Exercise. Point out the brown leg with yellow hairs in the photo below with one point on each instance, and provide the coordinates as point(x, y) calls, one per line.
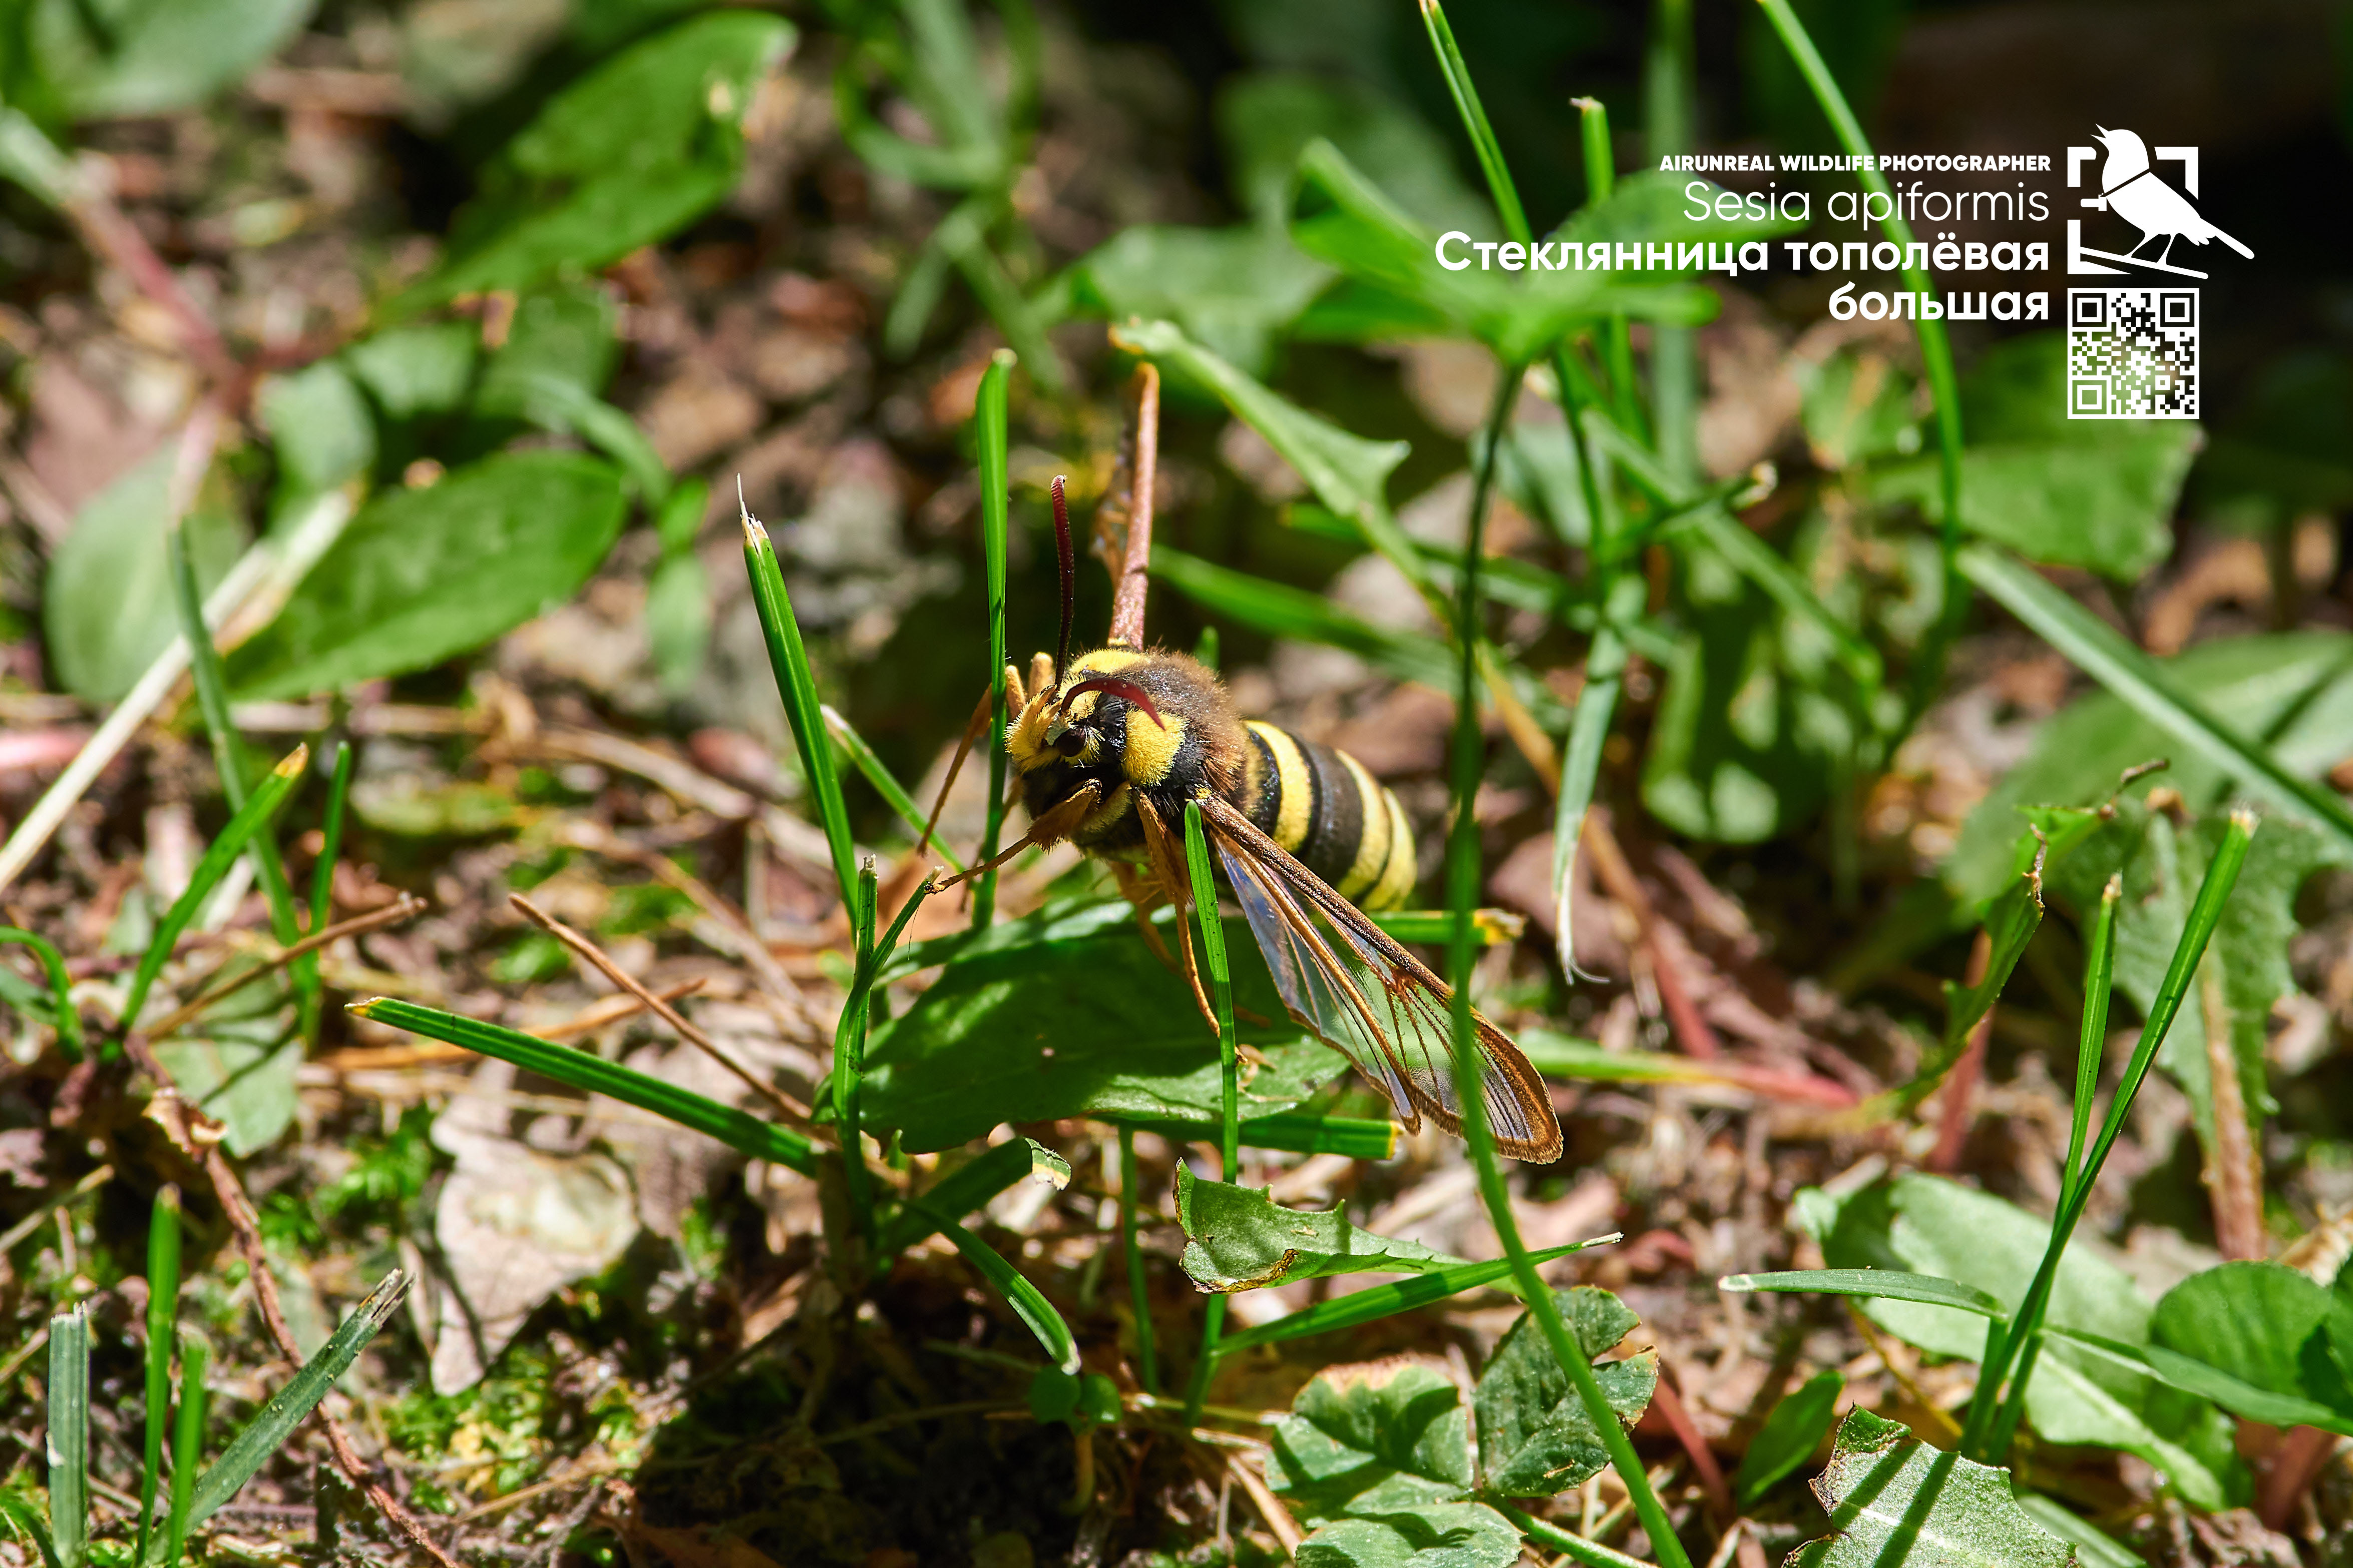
point(1144, 895)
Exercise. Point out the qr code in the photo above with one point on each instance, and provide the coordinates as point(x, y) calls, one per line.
point(2132, 353)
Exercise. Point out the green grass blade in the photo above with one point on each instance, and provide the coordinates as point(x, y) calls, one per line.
point(276, 1421)
point(228, 758)
point(1029, 1303)
point(1221, 984)
point(2090, 1045)
point(68, 1439)
point(886, 783)
point(798, 689)
point(1580, 767)
point(1600, 180)
point(331, 838)
point(20, 1513)
point(2198, 930)
point(1291, 1131)
point(249, 820)
point(1669, 85)
point(1935, 348)
point(1213, 959)
point(1386, 1300)
point(2144, 685)
point(163, 1320)
point(958, 1193)
point(1575, 1548)
point(850, 1059)
point(1475, 122)
point(2011, 923)
point(1139, 1294)
point(745, 1134)
point(1883, 1284)
point(989, 426)
point(187, 1446)
point(67, 1018)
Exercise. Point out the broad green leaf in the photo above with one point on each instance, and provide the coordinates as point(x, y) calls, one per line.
point(106, 606)
point(1793, 1430)
point(416, 370)
point(2289, 691)
point(320, 426)
point(566, 331)
point(1370, 1439)
point(1432, 1535)
point(632, 151)
point(1535, 1437)
point(241, 1072)
point(1343, 218)
point(1230, 288)
point(1739, 750)
point(1069, 1013)
point(2094, 1548)
point(2162, 866)
point(1238, 1240)
point(1893, 1501)
point(115, 58)
point(420, 576)
point(2264, 1324)
point(1927, 1225)
point(2096, 493)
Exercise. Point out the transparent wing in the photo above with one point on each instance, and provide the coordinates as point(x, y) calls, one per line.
point(1363, 995)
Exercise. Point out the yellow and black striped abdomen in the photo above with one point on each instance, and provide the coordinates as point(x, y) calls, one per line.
point(1328, 811)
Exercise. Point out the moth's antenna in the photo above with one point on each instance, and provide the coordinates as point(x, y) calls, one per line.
point(1069, 579)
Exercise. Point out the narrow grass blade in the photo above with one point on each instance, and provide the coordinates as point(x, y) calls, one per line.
point(1221, 984)
point(2143, 683)
point(1291, 1131)
point(68, 1439)
point(1575, 1548)
point(67, 1018)
point(1935, 348)
point(20, 1514)
point(1885, 1284)
point(228, 757)
point(163, 1320)
point(249, 820)
point(276, 1421)
point(2198, 930)
point(2011, 923)
point(331, 838)
point(850, 1059)
point(1669, 87)
point(1386, 1300)
point(1601, 179)
point(1139, 1293)
point(1588, 726)
point(1475, 122)
point(187, 1446)
point(797, 687)
point(2091, 1047)
point(963, 1190)
point(1029, 1303)
point(1489, 927)
point(744, 1134)
point(989, 426)
point(886, 783)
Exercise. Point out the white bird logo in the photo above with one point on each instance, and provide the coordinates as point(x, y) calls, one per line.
point(2132, 188)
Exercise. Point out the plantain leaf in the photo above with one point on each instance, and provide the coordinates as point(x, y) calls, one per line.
point(1238, 1240)
point(1895, 1502)
point(2266, 1325)
point(1535, 1437)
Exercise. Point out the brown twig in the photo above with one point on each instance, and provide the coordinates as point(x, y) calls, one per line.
point(2234, 1174)
point(107, 230)
point(1135, 569)
point(1958, 1108)
point(1670, 1407)
point(2296, 1464)
point(405, 907)
point(1618, 877)
point(596, 957)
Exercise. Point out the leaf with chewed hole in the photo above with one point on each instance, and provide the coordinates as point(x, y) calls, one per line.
point(1898, 1503)
point(1535, 1437)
